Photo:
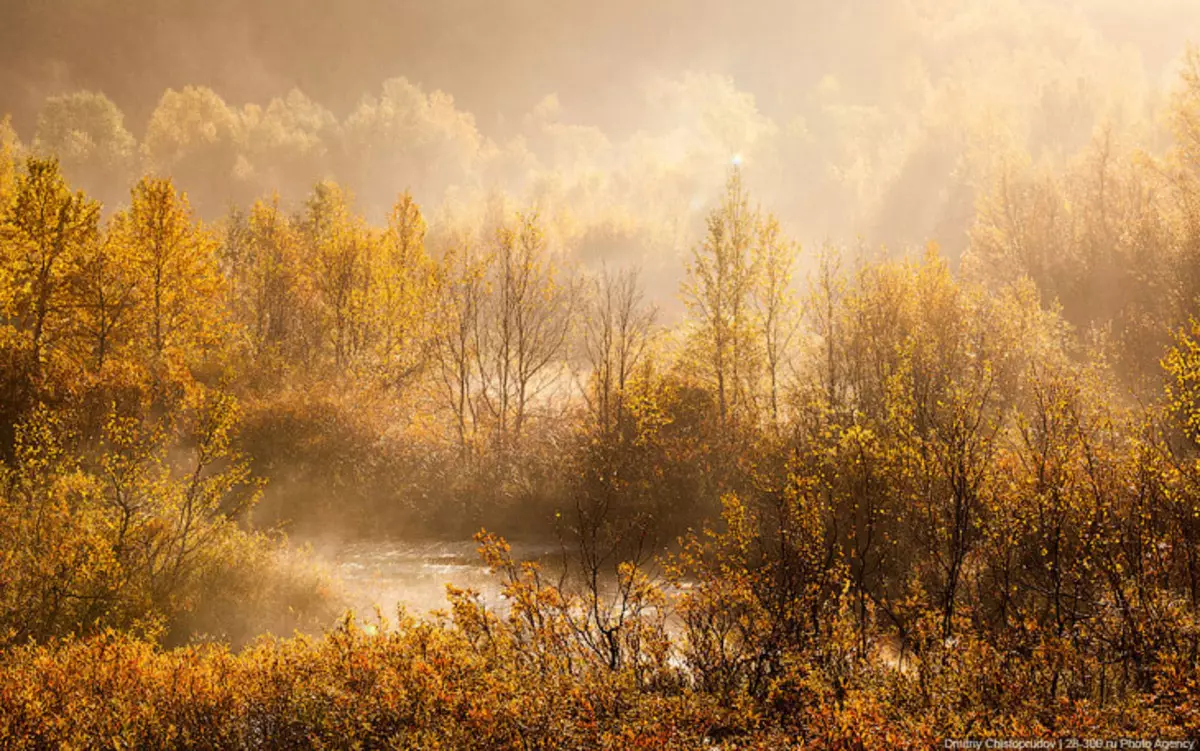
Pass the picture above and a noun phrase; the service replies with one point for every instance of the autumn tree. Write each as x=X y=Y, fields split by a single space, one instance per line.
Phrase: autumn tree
x=1101 y=242
x=104 y=290
x=286 y=145
x=822 y=308
x=613 y=515
x=86 y=132
x=462 y=295
x=405 y=290
x=1046 y=538
x=407 y=134
x=44 y=230
x=775 y=305
x=617 y=329
x=521 y=329
x=193 y=137
x=719 y=291
x=340 y=261
x=178 y=271
x=269 y=291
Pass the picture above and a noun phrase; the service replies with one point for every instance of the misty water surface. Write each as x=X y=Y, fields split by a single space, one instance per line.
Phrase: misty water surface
x=392 y=574
x=413 y=575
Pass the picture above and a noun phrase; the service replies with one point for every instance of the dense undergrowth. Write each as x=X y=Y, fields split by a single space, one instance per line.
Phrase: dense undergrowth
x=542 y=677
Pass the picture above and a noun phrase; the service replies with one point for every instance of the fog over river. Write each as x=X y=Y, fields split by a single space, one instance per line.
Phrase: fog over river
x=414 y=575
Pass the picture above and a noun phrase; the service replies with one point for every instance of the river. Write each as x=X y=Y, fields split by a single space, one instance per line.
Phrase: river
x=414 y=575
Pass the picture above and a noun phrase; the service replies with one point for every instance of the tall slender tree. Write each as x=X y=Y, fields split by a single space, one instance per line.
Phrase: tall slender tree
x=718 y=291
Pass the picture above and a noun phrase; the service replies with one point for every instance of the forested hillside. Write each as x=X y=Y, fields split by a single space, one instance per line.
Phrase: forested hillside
x=823 y=495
